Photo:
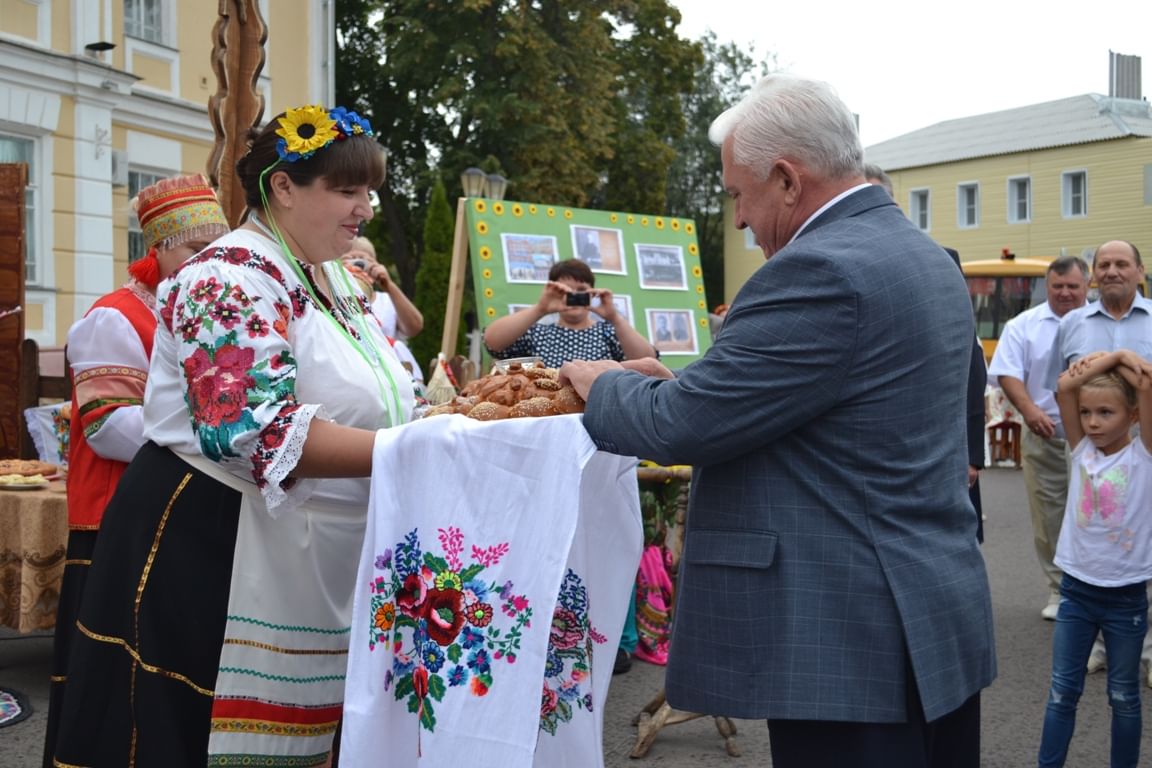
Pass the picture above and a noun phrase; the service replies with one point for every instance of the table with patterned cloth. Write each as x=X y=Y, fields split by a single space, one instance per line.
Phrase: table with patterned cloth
x=33 y=542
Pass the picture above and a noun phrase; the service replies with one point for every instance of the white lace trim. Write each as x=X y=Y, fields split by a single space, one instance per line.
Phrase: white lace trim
x=276 y=498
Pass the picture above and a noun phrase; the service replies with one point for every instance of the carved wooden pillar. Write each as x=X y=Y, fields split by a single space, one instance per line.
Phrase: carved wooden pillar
x=13 y=180
x=237 y=58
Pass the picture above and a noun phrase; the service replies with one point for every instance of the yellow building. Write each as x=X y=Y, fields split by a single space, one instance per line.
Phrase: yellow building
x=1045 y=180
x=102 y=97
x=1050 y=179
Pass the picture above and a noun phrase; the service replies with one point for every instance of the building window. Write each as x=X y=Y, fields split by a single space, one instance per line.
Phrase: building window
x=968 y=206
x=1019 y=200
x=144 y=19
x=137 y=180
x=17 y=150
x=918 y=204
x=1075 y=194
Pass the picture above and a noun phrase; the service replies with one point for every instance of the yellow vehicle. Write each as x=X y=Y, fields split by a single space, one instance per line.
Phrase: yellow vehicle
x=1000 y=289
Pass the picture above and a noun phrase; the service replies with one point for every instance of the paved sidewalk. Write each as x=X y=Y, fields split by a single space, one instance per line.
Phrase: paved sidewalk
x=1013 y=708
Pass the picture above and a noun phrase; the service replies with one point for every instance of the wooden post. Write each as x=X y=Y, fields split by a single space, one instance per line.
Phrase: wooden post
x=456 y=281
x=13 y=180
x=237 y=106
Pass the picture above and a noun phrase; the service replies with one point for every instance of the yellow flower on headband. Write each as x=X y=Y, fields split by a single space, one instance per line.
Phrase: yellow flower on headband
x=306 y=129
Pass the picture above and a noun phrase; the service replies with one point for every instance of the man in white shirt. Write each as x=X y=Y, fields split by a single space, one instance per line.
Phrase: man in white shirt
x=1120 y=319
x=1021 y=362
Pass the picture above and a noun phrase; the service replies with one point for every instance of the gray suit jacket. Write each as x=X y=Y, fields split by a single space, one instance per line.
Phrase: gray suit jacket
x=830 y=537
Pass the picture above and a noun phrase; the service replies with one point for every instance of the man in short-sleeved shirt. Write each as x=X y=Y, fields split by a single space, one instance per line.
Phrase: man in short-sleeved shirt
x=1120 y=319
x=1021 y=363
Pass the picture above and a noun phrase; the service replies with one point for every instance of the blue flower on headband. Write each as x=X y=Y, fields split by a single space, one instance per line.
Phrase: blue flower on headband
x=349 y=123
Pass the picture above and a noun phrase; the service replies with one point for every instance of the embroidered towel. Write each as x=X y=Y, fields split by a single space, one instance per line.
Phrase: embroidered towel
x=599 y=578
x=473 y=565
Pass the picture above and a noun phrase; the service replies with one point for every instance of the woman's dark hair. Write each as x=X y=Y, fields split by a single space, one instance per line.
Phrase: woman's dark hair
x=350 y=161
x=573 y=269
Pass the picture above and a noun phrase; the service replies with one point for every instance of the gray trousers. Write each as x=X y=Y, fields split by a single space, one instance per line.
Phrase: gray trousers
x=1046 y=479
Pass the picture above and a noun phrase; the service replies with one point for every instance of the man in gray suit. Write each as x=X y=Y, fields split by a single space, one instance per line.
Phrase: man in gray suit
x=831 y=581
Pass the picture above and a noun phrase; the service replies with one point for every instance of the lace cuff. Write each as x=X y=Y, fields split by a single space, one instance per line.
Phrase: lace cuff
x=273 y=477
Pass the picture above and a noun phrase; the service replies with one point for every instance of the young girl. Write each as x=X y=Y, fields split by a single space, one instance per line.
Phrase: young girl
x=1105 y=547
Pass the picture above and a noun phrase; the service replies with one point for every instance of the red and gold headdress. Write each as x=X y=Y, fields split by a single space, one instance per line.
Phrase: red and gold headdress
x=173 y=212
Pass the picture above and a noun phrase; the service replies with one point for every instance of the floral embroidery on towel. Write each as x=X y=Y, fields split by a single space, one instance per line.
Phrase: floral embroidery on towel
x=439 y=616
x=569 y=661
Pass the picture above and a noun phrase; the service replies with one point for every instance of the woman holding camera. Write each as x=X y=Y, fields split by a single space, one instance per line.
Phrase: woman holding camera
x=577 y=333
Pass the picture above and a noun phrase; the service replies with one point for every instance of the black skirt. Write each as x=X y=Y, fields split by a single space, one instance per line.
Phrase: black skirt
x=146 y=645
x=80 y=546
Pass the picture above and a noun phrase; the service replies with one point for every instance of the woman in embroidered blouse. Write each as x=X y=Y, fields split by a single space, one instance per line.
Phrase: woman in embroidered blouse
x=225 y=567
x=578 y=333
x=108 y=351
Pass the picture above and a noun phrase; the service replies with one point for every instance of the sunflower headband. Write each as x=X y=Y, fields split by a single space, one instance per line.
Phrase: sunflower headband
x=304 y=130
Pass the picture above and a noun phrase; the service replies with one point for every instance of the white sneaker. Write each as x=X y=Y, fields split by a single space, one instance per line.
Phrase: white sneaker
x=1049 y=611
x=1097 y=661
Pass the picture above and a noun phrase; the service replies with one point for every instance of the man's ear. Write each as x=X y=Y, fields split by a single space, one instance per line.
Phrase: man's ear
x=788 y=177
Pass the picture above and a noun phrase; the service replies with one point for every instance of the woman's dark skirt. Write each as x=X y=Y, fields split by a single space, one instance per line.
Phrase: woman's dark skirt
x=146 y=645
x=79 y=557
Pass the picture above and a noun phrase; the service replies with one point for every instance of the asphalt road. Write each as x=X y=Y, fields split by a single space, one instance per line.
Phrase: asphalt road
x=1013 y=707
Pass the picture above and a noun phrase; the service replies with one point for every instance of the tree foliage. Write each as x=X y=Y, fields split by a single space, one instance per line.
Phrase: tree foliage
x=589 y=103
x=695 y=184
x=432 y=277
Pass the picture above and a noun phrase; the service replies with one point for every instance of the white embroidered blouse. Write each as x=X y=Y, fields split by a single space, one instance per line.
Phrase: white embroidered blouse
x=244 y=358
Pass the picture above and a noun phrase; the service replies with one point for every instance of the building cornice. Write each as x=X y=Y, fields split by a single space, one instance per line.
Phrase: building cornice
x=29 y=66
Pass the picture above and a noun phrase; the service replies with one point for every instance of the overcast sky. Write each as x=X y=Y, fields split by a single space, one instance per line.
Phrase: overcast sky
x=904 y=64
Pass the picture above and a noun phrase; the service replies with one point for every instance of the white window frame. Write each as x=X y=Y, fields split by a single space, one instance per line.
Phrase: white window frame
x=1068 y=196
x=138 y=178
x=963 y=209
x=920 y=208
x=163 y=31
x=161 y=49
x=1014 y=200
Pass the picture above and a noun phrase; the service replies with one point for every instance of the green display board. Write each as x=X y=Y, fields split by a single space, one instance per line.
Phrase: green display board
x=650 y=263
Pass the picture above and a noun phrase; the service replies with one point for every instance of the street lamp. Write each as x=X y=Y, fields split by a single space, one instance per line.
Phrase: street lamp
x=496 y=186
x=478 y=184
x=473 y=180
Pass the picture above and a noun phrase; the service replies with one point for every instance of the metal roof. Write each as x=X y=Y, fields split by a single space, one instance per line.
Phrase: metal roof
x=1075 y=120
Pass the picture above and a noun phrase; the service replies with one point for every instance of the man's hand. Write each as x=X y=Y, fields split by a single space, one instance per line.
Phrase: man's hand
x=649 y=366
x=582 y=374
x=1039 y=422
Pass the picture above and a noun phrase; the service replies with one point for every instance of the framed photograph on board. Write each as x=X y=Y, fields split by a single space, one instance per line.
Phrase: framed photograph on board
x=527 y=258
x=671 y=331
x=623 y=304
x=600 y=248
x=661 y=267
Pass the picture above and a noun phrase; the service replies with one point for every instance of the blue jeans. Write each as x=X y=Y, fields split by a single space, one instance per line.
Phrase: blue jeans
x=1121 y=615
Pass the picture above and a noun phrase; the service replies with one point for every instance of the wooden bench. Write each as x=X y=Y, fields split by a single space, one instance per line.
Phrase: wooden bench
x=36 y=388
x=1004 y=442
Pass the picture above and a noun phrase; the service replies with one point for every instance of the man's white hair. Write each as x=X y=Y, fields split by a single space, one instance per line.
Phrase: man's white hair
x=796 y=118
